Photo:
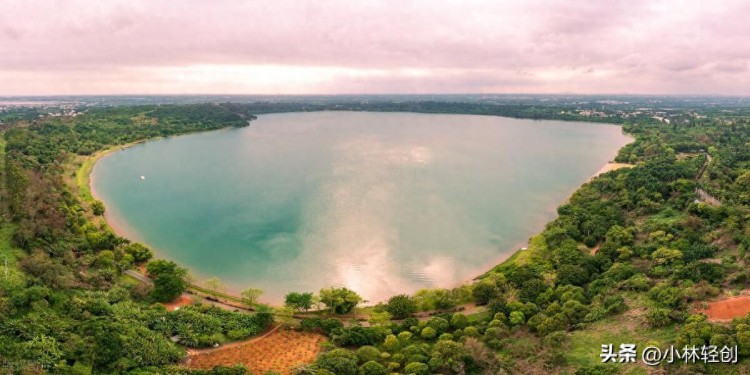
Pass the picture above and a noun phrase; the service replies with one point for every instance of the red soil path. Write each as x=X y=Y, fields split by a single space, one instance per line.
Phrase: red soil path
x=183 y=300
x=727 y=309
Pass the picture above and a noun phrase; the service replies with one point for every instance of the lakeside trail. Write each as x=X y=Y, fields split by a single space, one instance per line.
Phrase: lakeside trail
x=186 y=299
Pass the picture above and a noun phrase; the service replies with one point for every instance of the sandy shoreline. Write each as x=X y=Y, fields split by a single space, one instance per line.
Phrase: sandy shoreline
x=611 y=166
x=89 y=178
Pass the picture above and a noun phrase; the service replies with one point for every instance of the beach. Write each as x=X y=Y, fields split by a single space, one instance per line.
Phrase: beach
x=611 y=166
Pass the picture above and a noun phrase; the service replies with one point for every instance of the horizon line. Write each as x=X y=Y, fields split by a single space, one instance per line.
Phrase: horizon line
x=381 y=94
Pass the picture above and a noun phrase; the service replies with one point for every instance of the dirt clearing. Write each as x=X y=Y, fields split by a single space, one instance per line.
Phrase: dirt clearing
x=280 y=351
x=727 y=309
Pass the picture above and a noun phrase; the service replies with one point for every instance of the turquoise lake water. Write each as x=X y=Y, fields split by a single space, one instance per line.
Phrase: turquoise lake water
x=382 y=203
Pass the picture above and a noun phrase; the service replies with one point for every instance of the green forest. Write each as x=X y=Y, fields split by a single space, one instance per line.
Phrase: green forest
x=630 y=258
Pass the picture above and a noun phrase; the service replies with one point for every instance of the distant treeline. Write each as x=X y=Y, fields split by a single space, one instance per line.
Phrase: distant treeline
x=443 y=107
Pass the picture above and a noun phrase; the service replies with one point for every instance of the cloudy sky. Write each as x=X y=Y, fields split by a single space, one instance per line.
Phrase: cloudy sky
x=403 y=46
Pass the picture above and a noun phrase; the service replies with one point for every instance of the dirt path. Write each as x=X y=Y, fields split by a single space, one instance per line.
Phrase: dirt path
x=701 y=194
x=596 y=248
x=139 y=276
x=186 y=299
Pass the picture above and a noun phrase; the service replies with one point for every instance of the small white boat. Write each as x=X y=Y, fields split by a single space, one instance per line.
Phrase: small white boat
x=143 y=177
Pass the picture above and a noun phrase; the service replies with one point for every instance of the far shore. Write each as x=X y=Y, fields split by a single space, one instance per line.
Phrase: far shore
x=85 y=182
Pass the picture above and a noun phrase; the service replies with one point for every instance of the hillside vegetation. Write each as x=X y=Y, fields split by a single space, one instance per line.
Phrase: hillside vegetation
x=630 y=256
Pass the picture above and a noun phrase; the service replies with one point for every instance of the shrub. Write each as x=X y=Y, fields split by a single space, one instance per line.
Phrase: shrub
x=416 y=368
x=373 y=368
x=459 y=321
x=340 y=300
x=401 y=306
x=405 y=336
x=638 y=282
x=445 y=336
x=471 y=331
x=440 y=325
x=517 y=318
x=483 y=292
x=339 y=362
x=367 y=353
x=168 y=287
x=357 y=336
x=330 y=324
x=97 y=207
x=428 y=333
x=139 y=252
x=658 y=317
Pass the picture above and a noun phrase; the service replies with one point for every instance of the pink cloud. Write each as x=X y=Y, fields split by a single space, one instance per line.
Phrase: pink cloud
x=141 y=46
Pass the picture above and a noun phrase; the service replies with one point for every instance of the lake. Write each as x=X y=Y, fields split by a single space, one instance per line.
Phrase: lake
x=382 y=203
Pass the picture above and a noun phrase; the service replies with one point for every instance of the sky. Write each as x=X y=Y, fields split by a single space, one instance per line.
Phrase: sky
x=376 y=47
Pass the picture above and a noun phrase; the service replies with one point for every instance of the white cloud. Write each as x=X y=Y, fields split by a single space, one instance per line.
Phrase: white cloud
x=288 y=46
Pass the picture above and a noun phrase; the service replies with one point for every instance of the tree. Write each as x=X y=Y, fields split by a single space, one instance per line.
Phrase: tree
x=372 y=368
x=517 y=318
x=43 y=350
x=380 y=319
x=167 y=287
x=170 y=279
x=417 y=368
x=571 y=274
x=159 y=267
x=97 y=207
x=339 y=362
x=299 y=301
x=483 y=292
x=391 y=343
x=658 y=317
x=531 y=289
x=449 y=355
x=340 y=300
x=250 y=296
x=665 y=255
x=139 y=252
x=459 y=321
x=440 y=325
x=214 y=285
x=401 y=306
x=428 y=333
x=368 y=353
